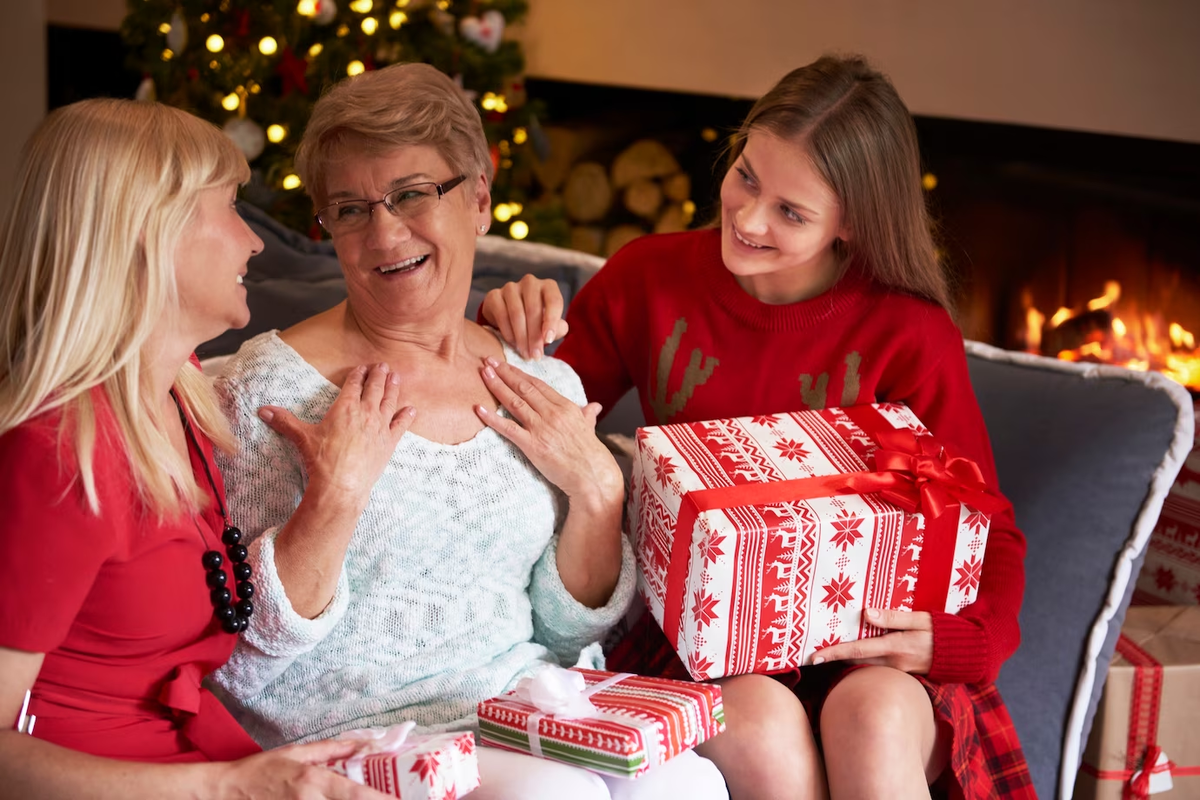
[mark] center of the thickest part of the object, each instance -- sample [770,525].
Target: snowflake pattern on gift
[663,469]
[792,450]
[976,521]
[465,745]
[710,547]
[425,765]
[846,530]
[699,665]
[766,420]
[704,609]
[829,641]
[1164,578]
[837,592]
[968,575]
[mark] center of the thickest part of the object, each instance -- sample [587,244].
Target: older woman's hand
[559,438]
[556,435]
[345,453]
[343,456]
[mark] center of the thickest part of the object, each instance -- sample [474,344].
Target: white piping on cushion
[1160,484]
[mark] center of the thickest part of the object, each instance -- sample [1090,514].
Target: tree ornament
[145,91]
[177,37]
[247,135]
[291,72]
[326,11]
[485,30]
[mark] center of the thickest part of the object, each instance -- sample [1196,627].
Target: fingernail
[394,378]
[549,337]
[873,614]
[537,356]
[491,360]
[412,412]
[481,411]
[818,660]
[489,372]
[266,414]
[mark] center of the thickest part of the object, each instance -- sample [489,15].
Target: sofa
[1085,452]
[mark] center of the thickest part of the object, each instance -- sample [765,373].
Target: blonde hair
[862,141]
[397,106]
[103,193]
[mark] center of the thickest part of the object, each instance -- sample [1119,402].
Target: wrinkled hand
[556,435]
[908,648]
[528,314]
[347,451]
[294,772]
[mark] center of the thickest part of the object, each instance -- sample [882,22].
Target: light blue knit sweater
[449,593]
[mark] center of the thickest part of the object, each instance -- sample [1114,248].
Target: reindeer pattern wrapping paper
[759,586]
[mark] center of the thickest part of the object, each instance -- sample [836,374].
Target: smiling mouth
[745,241]
[407,265]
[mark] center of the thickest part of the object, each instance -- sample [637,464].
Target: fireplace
[1060,242]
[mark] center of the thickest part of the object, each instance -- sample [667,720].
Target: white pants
[504,775]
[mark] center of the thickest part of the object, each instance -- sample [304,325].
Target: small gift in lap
[762,539]
[614,723]
[412,766]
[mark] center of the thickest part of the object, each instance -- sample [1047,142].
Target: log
[587,239]
[620,236]
[644,197]
[587,193]
[672,220]
[677,187]
[567,145]
[645,158]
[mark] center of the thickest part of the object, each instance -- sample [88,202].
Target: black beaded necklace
[234,617]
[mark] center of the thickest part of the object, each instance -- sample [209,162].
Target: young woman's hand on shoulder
[528,314]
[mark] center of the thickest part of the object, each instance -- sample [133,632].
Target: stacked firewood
[642,190]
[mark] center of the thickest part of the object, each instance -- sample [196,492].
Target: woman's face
[399,267]
[210,261]
[779,220]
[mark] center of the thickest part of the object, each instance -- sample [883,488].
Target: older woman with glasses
[491,544]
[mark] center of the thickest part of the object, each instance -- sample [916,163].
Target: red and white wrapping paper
[615,723]
[1171,572]
[413,766]
[762,539]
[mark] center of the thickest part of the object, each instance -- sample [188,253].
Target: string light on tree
[518,230]
[269,62]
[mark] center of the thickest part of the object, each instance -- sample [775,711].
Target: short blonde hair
[397,106]
[103,193]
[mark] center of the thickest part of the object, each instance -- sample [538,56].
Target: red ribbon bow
[929,480]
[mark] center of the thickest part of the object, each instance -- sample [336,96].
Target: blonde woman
[122,581]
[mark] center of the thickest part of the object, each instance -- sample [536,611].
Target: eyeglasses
[407,202]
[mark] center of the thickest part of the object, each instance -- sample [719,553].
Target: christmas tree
[256,67]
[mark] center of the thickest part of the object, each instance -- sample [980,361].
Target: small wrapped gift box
[412,766]
[761,539]
[1145,738]
[614,723]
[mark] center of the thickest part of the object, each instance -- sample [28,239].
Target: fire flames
[1095,333]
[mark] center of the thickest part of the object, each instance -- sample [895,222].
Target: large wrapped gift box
[1171,572]
[1150,711]
[413,766]
[635,722]
[761,539]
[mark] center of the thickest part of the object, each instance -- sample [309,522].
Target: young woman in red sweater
[819,288]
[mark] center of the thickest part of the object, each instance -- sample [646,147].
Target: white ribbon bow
[378,740]
[564,694]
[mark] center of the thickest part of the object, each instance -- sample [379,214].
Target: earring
[483,228]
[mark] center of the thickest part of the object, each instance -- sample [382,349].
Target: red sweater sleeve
[51,544]
[968,647]
[591,346]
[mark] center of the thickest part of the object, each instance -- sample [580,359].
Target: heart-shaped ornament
[485,30]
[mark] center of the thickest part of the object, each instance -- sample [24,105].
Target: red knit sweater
[664,316]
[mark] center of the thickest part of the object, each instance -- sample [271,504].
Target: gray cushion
[1086,454]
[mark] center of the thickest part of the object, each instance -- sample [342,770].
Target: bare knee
[768,749]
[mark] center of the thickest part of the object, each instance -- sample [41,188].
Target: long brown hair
[862,141]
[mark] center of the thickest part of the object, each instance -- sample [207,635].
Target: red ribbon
[203,720]
[912,471]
